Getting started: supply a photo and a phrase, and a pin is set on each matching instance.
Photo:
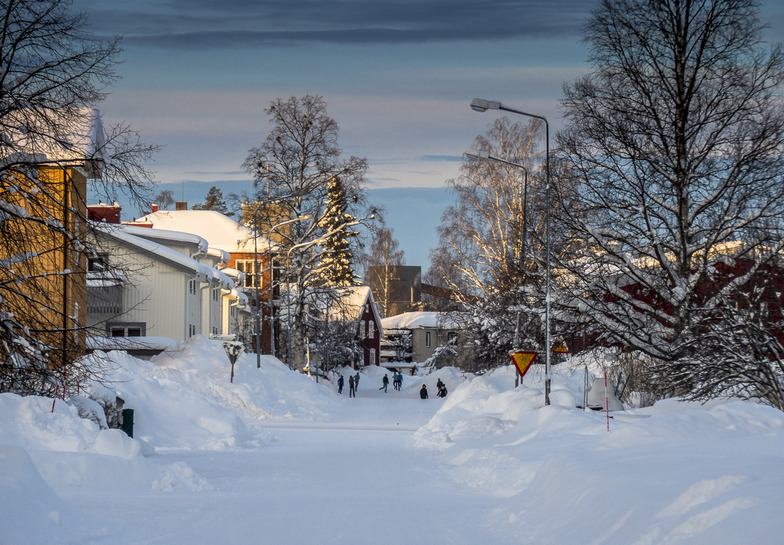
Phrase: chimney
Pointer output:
(181, 205)
(107, 213)
(154, 208)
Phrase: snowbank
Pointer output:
(672, 473)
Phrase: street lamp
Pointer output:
(482, 105)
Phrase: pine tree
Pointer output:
(336, 263)
(214, 201)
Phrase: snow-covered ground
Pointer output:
(278, 458)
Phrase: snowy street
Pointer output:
(351, 481)
(277, 458)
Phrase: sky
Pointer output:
(275, 455)
(397, 76)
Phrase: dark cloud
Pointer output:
(251, 23)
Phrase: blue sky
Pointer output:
(397, 76)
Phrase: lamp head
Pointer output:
(482, 105)
(477, 154)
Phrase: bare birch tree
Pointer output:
(292, 170)
(384, 254)
(677, 136)
(491, 240)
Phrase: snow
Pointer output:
(414, 320)
(162, 236)
(221, 231)
(276, 457)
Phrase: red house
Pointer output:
(356, 305)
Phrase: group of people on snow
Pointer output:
(440, 386)
(353, 384)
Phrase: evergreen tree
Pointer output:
(337, 257)
(214, 201)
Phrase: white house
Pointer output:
(247, 253)
(220, 304)
(138, 287)
(427, 330)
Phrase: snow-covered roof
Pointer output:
(161, 235)
(82, 137)
(207, 273)
(349, 302)
(419, 320)
(222, 255)
(220, 231)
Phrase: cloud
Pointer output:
(442, 158)
(188, 24)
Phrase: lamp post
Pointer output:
(482, 105)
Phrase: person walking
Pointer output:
(399, 380)
(340, 384)
(384, 383)
(423, 392)
(441, 390)
(356, 381)
(351, 391)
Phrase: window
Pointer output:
(191, 330)
(192, 287)
(372, 356)
(248, 266)
(363, 329)
(215, 294)
(129, 329)
(97, 263)
(427, 339)
(371, 329)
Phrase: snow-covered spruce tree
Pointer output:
(336, 255)
(52, 75)
(492, 241)
(677, 136)
(292, 169)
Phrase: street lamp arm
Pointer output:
(485, 155)
(482, 105)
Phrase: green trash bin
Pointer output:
(127, 421)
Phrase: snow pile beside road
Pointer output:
(31, 423)
(30, 511)
(672, 473)
(184, 399)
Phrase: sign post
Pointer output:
(522, 361)
(233, 350)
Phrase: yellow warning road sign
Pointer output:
(522, 361)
